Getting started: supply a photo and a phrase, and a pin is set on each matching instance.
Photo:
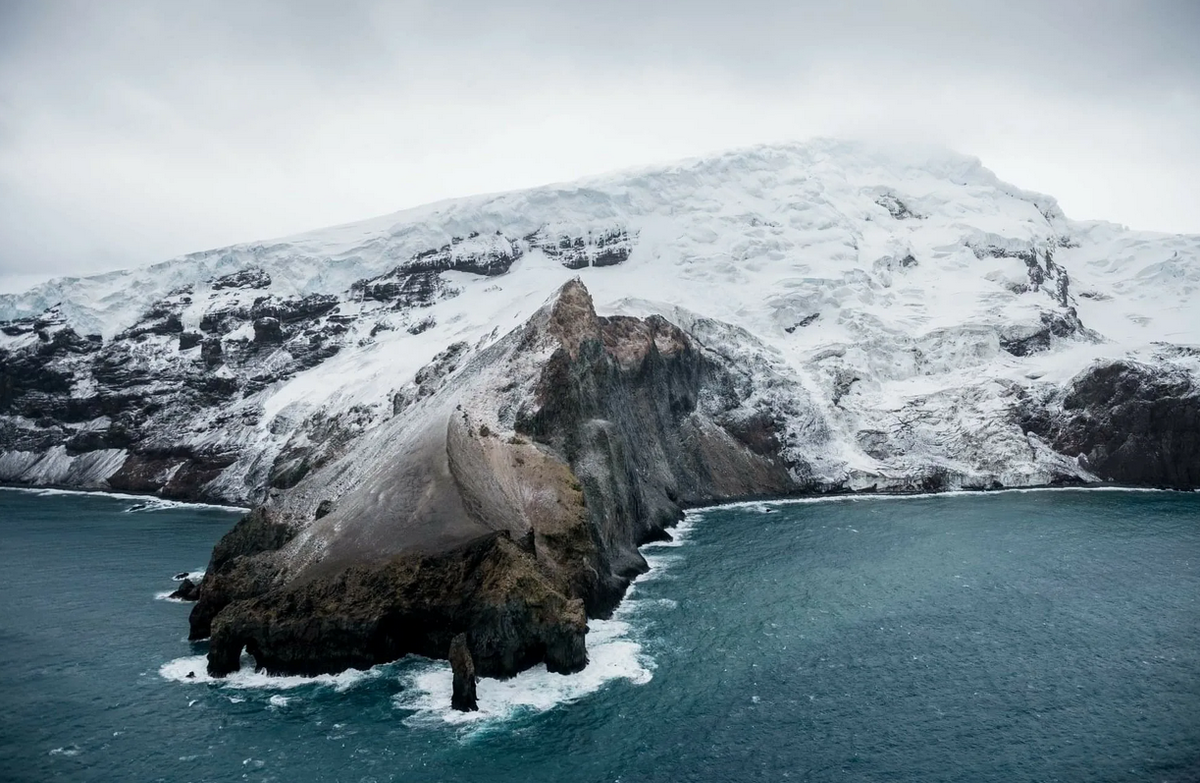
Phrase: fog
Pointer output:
(134, 131)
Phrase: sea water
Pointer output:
(1017, 636)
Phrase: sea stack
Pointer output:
(463, 698)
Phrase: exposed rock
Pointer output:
(268, 331)
(510, 540)
(252, 277)
(605, 248)
(896, 207)
(423, 325)
(187, 591)
(412, 604)
(463, 696)
(233, 572)
(294, 309)
(803, 322)
(1127, 422)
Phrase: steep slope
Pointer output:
(507, 506)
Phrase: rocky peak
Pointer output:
(573, 317)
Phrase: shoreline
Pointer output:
(689, 521)
(688, 511)
(144, 497)
(833, 497)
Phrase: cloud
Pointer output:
(133, 131)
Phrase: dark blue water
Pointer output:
(1008, 637)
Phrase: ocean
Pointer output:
(1011, 636)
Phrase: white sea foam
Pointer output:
(68, 750)
(165, 595)
(197, 666)
(195, 576)
(612, 655)
(659, 565)
(150, 502)
(679, 535)
(767, 506)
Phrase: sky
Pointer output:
(132, 131)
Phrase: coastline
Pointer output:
(145, 497)
(834, 497)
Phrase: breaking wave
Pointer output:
(193, 669)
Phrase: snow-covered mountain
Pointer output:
(457, 424)
(916, 320)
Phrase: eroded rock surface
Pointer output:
(463, 694)
(1128, 422)
(507, 506)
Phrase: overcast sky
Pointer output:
(134, 131)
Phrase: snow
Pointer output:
(797, 246)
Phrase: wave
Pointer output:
(612, 655)
(679, 535)
(768, 506)
(193, 669)
(66, 750)
(142, 502)
(615, 654)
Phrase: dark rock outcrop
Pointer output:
(187, 591)
(1128, 422)
(368, 614)
(604, 248)
(463, 697)
(251, 277)
(169, 408)
(503, 516)
(1029, 340)
(234, 570)
(896, 207)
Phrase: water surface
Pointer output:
(1003, 637)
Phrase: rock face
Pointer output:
(463, 696)
(507, 509)
(187, 591)
(1128, 422)
(173, 403)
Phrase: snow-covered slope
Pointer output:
(917, 301)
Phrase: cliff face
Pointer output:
(1127, 421)
(173, 403)
(508, 507)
